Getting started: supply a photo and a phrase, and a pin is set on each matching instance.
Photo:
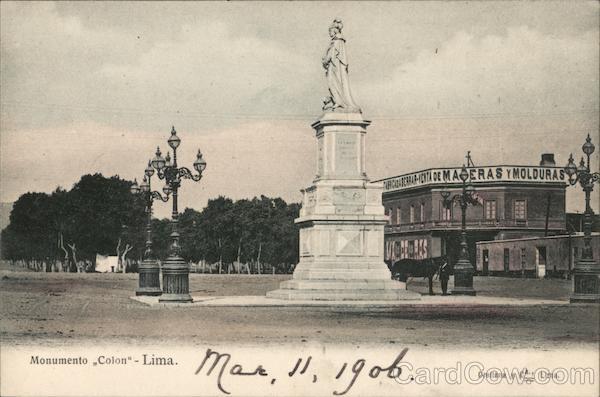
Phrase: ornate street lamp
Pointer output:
(586, 274)
(175, 269)
(463, 270)
(149, 271)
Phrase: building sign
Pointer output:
(406, 249)
(504, 173)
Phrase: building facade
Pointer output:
(533, 257)
(513, 202)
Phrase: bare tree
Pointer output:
(125, 252)
(220, 243)
(258, 258)
(74, 254)
(61, 245)
(118, 249)
(239, 253)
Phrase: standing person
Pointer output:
(444, 276)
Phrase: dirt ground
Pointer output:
(63, 308)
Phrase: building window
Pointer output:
(521, 209)
(490, 209)
(446, 211)
(398, 219)
(506, 260)
(412, 214)
(389, 214)
(523, 258)
(422, 216)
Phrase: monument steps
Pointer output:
(343, 295)
(343, 285)
(345, 274)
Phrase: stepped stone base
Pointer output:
(342, 290)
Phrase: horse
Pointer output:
(426, 268)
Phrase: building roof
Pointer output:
(560, 236)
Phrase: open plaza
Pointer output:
(57, 309)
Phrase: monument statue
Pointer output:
(336, 70)
(342, 218)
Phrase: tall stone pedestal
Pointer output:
(341, 223)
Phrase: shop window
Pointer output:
(397, 246)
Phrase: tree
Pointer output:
(216, 222)
(101, 207)
(161, 230)
(99, 214)
(29, 235)
(89, 219)
(189, 228)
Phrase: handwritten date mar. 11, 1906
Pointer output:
(223, 369)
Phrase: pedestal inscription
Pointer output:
(346, 154)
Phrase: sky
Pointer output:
(96, 86)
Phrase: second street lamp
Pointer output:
(463, 270)
(586, 274)
(149, 271)
(175, 270)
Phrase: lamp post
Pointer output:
(149, 272)
(175, 269)
(463, 270)
(586, 273)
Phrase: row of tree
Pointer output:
(66, 229)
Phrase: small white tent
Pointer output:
(106, 264)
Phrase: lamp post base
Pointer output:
(148, 292)
(149, 278)
(175, 298)
(464, 291)
(175, 281)
(586, 282)
(463, 278)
